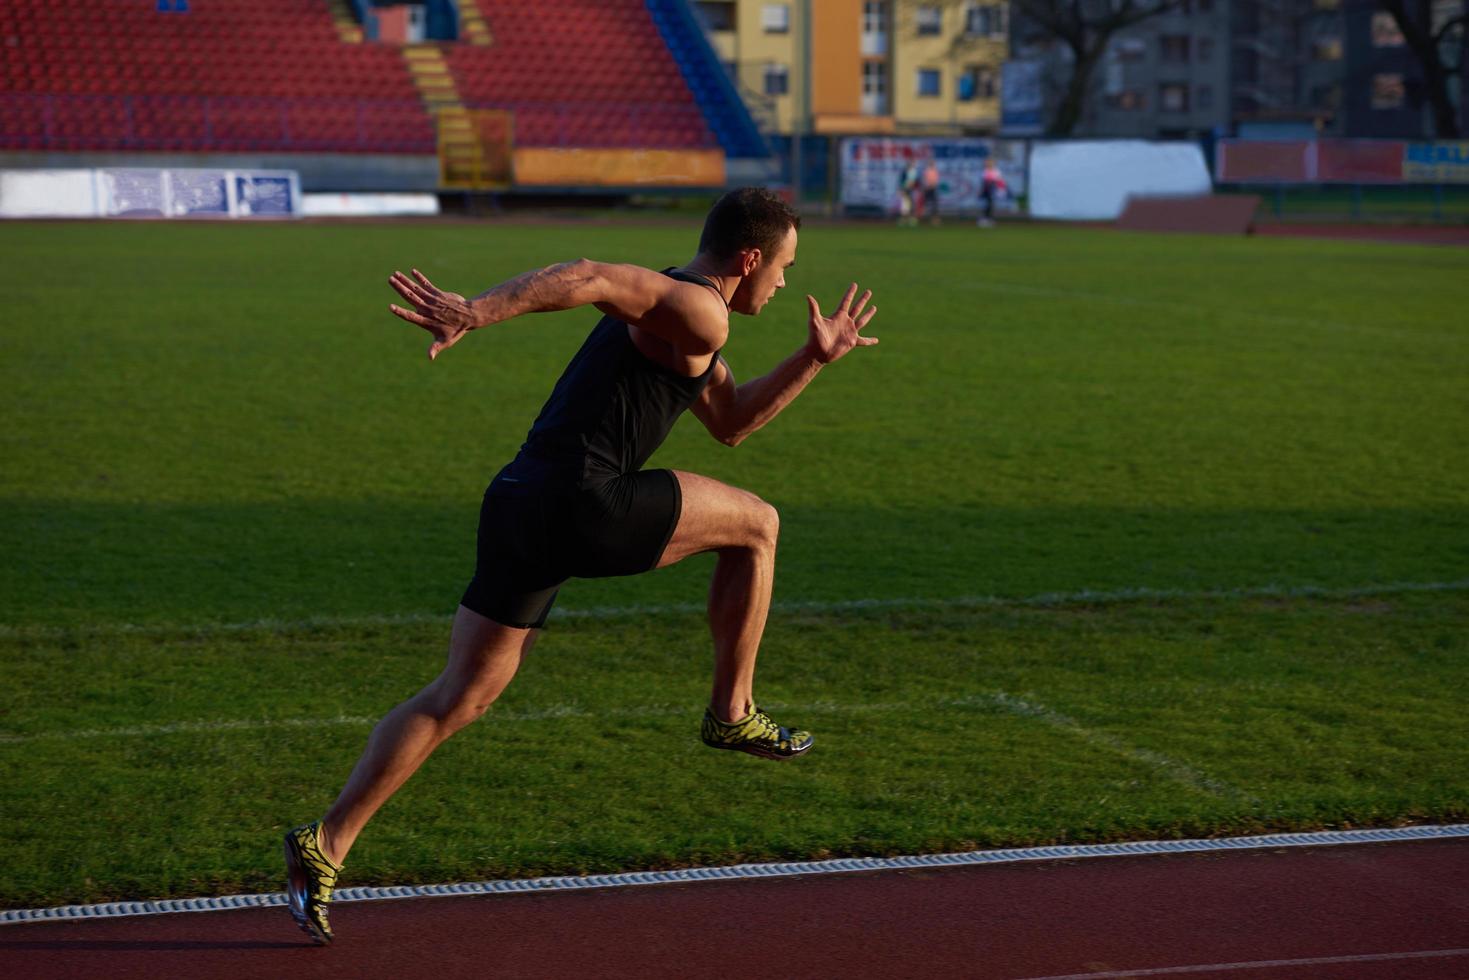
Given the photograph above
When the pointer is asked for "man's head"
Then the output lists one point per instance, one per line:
(751, 233)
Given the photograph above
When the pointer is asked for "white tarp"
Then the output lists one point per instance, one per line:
(872, 167)
(149, 192)
(1092, 179)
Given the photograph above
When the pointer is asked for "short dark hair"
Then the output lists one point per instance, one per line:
(747, 217)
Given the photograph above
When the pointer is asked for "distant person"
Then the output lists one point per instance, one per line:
(992, 186)
(931, 189)
(577, 503)
(910, 204)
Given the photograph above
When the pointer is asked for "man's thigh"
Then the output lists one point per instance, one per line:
(716, 515)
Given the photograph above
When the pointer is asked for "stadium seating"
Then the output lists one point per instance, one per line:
(225, 76)
(584, 73)
(274, 76)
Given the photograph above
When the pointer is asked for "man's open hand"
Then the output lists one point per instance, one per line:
(831, 337)
(445, 315)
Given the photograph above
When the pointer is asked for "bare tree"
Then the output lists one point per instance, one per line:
(1085, 27)
(1415, 22)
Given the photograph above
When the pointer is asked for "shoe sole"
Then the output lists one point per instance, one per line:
(296, 896)
(762, 753)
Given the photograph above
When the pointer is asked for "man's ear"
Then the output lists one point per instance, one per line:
(749, 260)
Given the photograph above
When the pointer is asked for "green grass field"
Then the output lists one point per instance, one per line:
(1112, 537)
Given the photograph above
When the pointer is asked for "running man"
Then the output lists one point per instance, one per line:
(576, 503)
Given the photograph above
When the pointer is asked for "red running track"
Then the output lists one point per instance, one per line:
(1347, 912)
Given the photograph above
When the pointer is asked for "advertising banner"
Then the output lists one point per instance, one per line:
(1437, 163)
(1341, 161)
(1021, 98)
(147, 192)
(872, 168)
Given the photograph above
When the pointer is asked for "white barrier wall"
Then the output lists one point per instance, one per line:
(118, 192)
(1092, 179)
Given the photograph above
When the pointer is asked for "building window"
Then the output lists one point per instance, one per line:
(1131, 49)
(775, 18)
(1205, 49)
(717, 16)
(1385, 33)
(929, 81)
(1326, 49)
(1128, 100)
(977, 82)
(874, 78)
(1327, 97)
(1174, 48)
(777, 79)
(874, 28)
(930, 19)
(1204, 97)
(875, 17)
(875, 88)
(1387, 91)
(984, 20)
(1173, 97)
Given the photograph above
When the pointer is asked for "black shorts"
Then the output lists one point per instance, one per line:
(533, 538)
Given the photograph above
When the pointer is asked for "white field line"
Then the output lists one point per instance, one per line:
(818, 607)
(1167, 767)
(1169, 971)
(496, 716)
(1171, 768)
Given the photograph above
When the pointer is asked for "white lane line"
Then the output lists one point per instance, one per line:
(1060, 852)
(1171, 768)
(1423, 954)
(1042, 600)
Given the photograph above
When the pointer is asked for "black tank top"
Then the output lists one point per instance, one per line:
(611, 409)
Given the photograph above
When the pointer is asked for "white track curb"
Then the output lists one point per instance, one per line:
(968, 858)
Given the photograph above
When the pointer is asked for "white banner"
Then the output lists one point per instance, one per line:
(139, 192)
(872, 168)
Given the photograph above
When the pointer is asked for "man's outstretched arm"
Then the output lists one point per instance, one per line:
(731, 412)
(685, 315)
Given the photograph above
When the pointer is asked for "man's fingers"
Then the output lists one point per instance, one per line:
(424, 279)
(846, 302)
(866, 318)
(855, 310)
(815, 306)
(410, 316)
(866, 341)
(408, 290)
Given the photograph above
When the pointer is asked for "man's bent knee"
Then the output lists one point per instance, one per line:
(767, 526)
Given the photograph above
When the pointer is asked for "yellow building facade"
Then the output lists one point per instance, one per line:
(899, 67)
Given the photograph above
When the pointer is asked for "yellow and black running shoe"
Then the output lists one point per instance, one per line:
(755, 734)
(310, 878)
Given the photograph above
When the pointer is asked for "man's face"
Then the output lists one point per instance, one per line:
(769, 275)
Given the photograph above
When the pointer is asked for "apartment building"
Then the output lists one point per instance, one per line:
(1165, 78)
(837, 67)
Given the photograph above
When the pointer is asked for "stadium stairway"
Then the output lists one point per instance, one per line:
(460, 154)
(345, 21)
(728, 115)
(472, 26)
